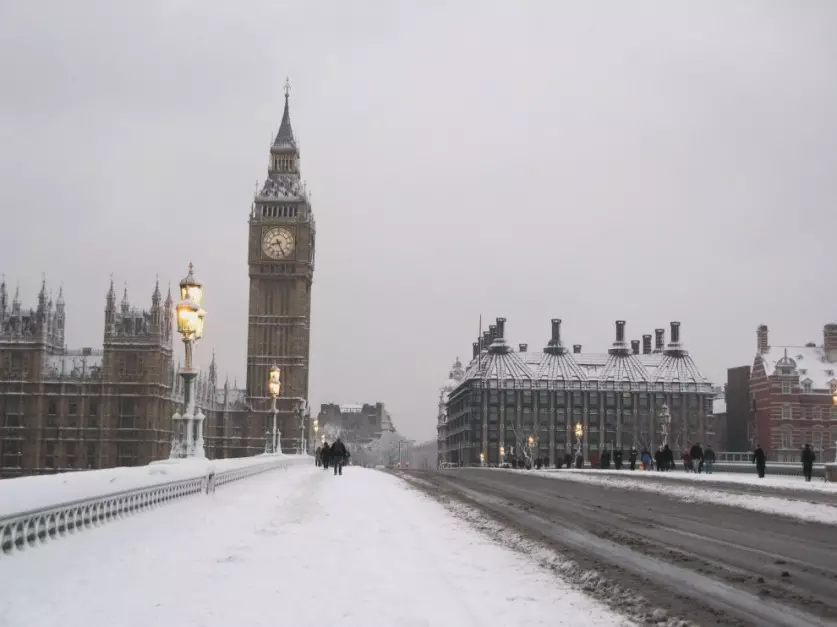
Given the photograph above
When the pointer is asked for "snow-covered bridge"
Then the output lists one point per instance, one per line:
(293, 547)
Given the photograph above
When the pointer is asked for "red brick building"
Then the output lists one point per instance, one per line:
(791, 389)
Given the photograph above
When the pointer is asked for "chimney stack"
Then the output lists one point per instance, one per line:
(486, 339)
(501, 328)
(829, 339)
(523, 347)
(635, 346)
(476, 350)
(556, 331)
(761, 338)
(659, 340)
(646, 344)
(576, 348)
(675, 332)
(620, 331)
(492, 332)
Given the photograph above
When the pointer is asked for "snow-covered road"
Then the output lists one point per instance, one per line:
(296, 547)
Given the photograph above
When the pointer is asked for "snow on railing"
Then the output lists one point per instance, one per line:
(30, 528)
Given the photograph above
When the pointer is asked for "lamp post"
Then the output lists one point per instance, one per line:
(187, 436)
(300, 412)
(274, 386)
(502, 455)
(665, 423)
(579, 433)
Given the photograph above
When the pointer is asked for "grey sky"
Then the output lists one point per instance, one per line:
(649, 161)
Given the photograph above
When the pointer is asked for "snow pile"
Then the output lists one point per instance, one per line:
(781, 482)
(311, 549)
(815, 512)
(28, 493)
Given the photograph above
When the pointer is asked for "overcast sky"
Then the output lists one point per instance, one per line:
(594, 161)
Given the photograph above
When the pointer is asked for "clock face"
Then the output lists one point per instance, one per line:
(278, 243)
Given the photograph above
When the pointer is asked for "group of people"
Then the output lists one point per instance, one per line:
(334, 456)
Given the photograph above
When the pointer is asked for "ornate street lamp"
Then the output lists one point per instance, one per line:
(579, 433)
(187, 436)
(300, 412)
(665, 423)
(274, 386)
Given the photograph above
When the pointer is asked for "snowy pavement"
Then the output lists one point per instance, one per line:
(296, 547)
(699, 490)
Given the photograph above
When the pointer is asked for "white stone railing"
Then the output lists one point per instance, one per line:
(31, 528)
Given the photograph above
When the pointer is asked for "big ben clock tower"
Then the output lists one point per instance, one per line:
(281, 268)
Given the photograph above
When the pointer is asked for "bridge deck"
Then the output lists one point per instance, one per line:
(298, 547)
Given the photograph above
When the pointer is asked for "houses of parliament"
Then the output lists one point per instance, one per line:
(93, 408)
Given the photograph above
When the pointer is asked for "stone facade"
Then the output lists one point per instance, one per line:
(281, 269)
(98, 408)
(792, 389)
(355, 424)
(507, 397)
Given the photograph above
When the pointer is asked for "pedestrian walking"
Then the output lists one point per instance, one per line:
(808, 459)
(708, 460)
(632, 458)
(318, 456)
(326, 453)
(696, 453)
(760, 461)
(338, 456)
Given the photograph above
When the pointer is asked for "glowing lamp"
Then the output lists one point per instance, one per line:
(189, 319)
(274, 384)
(190, 288)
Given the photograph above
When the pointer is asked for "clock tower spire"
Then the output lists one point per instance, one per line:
(281, 270)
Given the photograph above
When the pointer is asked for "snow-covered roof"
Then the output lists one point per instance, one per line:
(282, 186)
(75, 365)
(810, 362)
(619, 368)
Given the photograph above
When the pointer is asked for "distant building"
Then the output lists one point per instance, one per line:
(98, 408)
(716, 435)
(738, 410)
(508, 397)
(791, 388)
(455, 376)
(354, 423)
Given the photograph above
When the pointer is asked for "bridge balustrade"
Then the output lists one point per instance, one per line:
(31, 528)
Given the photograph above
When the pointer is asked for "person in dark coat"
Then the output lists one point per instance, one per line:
(660, 460)
(318, 456)
(760, 461)
(617, 459)
(708, 460)
(338, 456)
(668, 458)
(696, 453)
(808, 459)
(632, 458)
(326, 454)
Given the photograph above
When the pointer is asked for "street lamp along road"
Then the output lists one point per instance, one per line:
(579, 433)
(187, 428)
(274, 386)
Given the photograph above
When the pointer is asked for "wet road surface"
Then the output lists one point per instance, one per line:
(712, 564)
